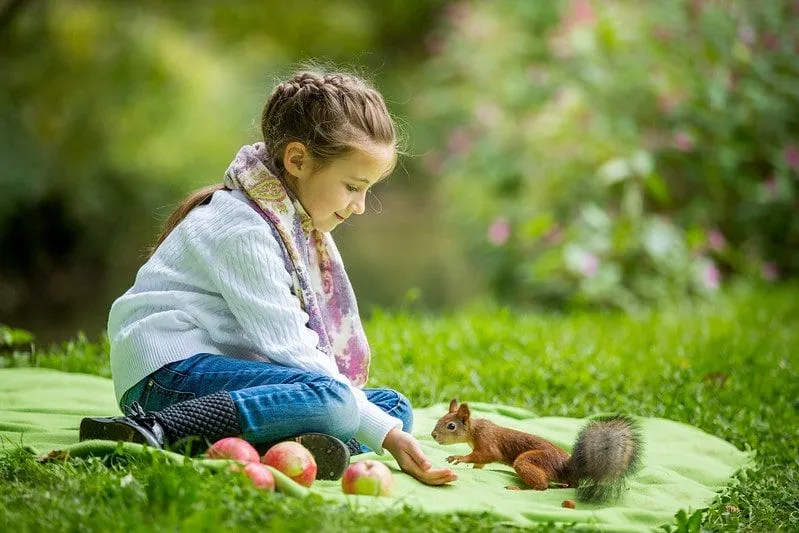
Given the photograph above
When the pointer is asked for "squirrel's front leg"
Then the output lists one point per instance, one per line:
(480, 459)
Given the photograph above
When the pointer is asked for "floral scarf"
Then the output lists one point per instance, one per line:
(317, 271)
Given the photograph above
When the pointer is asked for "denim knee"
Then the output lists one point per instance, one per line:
(342, 415)
(403, 411)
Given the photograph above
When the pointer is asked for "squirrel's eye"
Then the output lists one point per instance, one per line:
(451, 426)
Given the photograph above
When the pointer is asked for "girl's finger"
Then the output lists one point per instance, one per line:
(439, 480)
(438, 476)
(419, 457)
(441, 473)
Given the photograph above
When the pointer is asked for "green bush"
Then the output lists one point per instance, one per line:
(617, 153)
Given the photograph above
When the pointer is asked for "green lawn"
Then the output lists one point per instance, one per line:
(729, 367)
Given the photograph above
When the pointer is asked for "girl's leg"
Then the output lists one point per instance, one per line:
(272, 402)
(209, 397)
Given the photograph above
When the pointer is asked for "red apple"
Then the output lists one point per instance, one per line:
(260, 475)
(233, 448)
(294, 460)
(369, 477)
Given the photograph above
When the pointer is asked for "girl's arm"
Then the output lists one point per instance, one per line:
(253, 280)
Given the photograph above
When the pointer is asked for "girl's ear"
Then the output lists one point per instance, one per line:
(453, 405)
(297, 160)
(463, 413)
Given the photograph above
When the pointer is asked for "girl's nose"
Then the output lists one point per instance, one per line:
(359, 205)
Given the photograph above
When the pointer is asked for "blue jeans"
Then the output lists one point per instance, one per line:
(273, 402)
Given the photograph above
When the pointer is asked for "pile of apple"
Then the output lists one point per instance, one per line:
(367, 477)
(291, 458)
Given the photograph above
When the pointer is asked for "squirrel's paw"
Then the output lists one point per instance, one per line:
(455, 459)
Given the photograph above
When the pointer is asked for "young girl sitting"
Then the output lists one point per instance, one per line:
(243, 321)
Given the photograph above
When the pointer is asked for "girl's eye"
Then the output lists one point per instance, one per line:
(352, 188)
(451, 426)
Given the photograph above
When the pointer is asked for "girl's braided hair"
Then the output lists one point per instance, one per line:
(331, 114)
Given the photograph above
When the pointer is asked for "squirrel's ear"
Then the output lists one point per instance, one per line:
(463, 412)
(453, 405)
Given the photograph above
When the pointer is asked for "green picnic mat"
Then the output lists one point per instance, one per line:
(683, 467)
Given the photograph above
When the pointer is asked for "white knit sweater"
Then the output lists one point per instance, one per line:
(218, 284)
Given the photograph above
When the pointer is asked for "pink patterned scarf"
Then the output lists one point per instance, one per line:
(316, 268)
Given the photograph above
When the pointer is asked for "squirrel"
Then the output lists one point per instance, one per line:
(607, 451)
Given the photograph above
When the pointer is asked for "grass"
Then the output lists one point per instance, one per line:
(729, 367)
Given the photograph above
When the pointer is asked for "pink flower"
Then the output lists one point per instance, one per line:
(791, 153)
(716, 240)
(580, 11)
(769, 271)
(683, 141)
(590, 265)
(499, 231)
(711, 277)
(577, 13)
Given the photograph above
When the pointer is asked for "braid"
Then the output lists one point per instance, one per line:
(312, 83)
(330, 113)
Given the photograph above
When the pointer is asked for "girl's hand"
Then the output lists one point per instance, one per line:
(405, 449)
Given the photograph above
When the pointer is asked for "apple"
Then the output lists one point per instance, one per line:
(294, 460)
(233, 448)
(260, 475)
(368, 477)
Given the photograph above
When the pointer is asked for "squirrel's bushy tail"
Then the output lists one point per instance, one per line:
(608, 449)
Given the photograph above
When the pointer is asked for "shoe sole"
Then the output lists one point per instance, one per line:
(100, 429)
(331, 455)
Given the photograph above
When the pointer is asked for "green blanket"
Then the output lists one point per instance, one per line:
(683, 467)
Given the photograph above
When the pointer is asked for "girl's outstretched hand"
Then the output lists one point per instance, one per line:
(405, 449)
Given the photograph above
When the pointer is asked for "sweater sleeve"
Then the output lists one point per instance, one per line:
(254, 282)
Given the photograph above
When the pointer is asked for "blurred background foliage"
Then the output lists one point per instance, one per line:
(618, 153)
(562, 152)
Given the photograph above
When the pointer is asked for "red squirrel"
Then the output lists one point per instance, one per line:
(608, 449)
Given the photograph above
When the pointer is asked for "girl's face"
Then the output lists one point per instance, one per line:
(336, 192)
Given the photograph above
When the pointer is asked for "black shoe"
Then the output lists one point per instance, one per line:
(137, 426)
(331, 455)
(354, 447)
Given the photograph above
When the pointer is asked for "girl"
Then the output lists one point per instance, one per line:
(243, 321)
